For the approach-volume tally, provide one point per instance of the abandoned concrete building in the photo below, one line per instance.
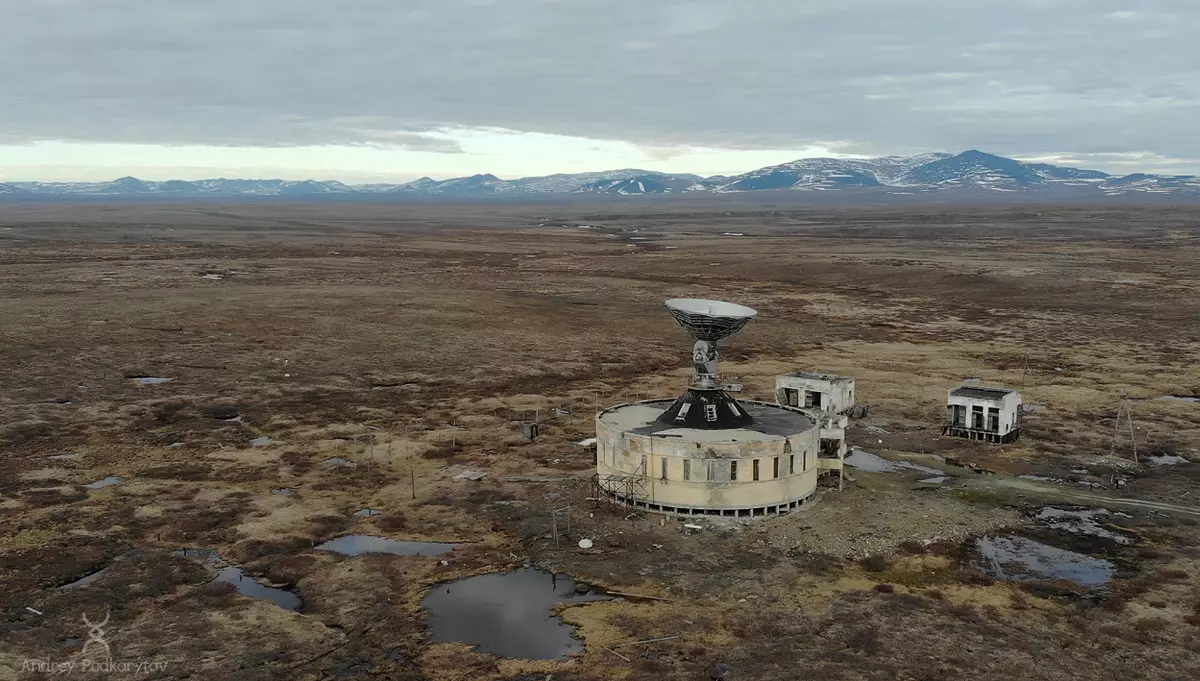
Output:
(812, 390)
(706, 452)
(980, 413)
(830, 399)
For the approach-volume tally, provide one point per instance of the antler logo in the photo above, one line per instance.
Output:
(96, 633)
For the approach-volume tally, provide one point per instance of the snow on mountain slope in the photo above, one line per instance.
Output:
(972, 168)
(828, 173)
(1152, 184)
(584, 182)
(887, 169)
(969, 171)
(1065, 174)
(649, 183)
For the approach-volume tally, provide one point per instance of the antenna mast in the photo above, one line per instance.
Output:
(1123, 410)
(1026, 372)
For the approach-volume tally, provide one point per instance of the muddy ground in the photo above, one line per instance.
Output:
(411, 341)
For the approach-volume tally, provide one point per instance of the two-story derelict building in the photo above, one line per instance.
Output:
(815, 390)
(983, 413)
(830, 399)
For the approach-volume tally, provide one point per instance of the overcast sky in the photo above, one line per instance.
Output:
(365, 90)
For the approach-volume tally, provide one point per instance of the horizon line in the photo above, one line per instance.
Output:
(502, 179)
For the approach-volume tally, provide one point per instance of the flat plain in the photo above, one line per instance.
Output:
(327, 359)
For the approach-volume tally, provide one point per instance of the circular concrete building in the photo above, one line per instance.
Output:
(766, 465)
(705, 452)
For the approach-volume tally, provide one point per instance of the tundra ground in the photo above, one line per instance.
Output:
(411, 341)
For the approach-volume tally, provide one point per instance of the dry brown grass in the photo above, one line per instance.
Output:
(413, 340)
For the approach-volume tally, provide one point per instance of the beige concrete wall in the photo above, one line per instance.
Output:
(838, 395)
(708, 464)
(1009, 406)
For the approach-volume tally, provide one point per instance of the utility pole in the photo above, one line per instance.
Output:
(1124, 411)
(412, 467)
(1026, 371)
(554, 522)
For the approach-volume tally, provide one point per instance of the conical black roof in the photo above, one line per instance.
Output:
(706, 410)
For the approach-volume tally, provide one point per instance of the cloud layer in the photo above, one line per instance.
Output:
(1077, 78)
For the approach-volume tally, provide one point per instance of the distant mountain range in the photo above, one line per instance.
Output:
(969, 174)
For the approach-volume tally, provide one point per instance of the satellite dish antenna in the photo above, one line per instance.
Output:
(708, 321)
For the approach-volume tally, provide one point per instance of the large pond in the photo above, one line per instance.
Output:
(507, 614)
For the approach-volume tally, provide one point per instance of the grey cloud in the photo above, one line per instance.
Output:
(1021, 77)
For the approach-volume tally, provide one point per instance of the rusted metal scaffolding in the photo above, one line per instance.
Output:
(625, 491)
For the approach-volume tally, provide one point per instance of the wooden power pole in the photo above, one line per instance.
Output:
(1124, 416)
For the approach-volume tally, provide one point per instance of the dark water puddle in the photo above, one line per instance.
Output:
(868, 461)
(1019, 559)
(245, 585)
(507, 614)
(1165, 460)
(80, 583)
(359, 544)
(206, 556)
(1081, 521)
(1042, 478)
(150, 380)
(1181, 398)
(105, 482)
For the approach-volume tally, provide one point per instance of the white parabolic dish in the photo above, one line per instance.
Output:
(711, 308)
(710, 320)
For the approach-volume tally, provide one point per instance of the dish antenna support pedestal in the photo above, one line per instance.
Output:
(708, 321)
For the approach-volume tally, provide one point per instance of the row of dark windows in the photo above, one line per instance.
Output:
(755, 468)
(716, 472)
